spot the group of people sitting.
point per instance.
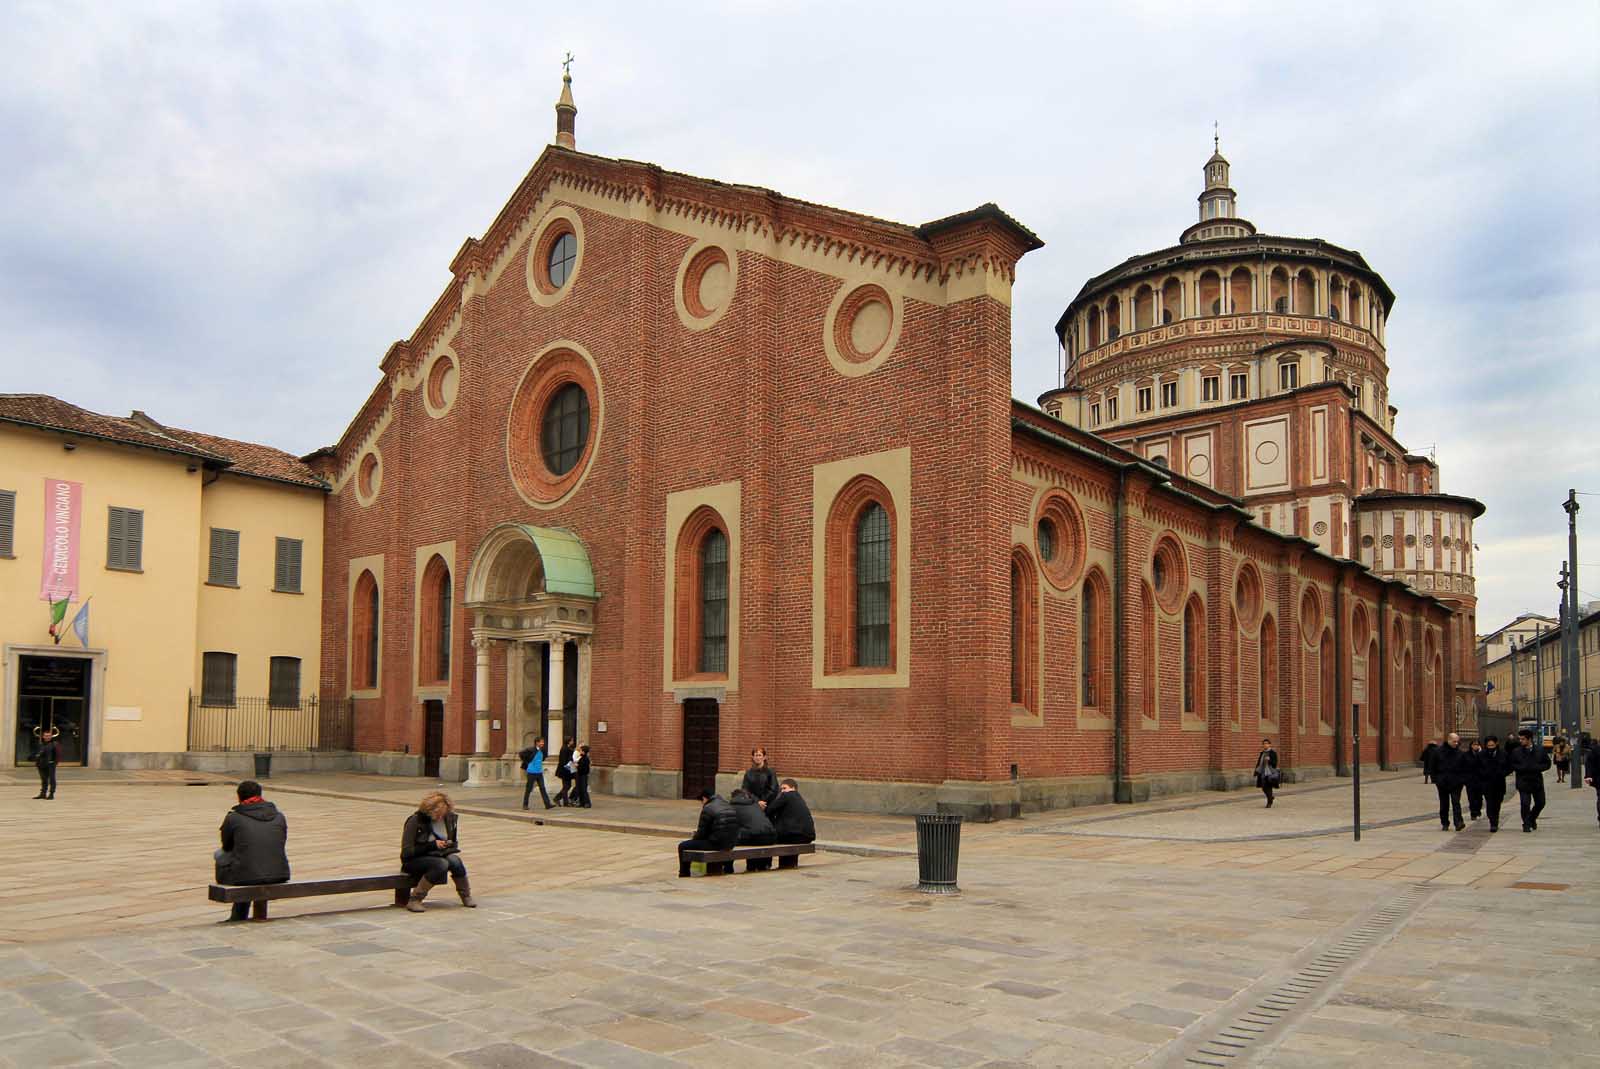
(1481, 768)
(255, 836)
(763, 811)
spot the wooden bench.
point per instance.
(259, 894)
(721, 861)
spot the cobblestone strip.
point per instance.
(1247, 1028)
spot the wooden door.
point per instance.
(433, 736)
(699, 746)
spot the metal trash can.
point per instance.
(263, 766)
(938, 851)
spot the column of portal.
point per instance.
(558, 681)
(480, 696)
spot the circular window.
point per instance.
(1247, 600)
(564, 428)
(554, 426)
(439, 390)
(862, 328)
(555, 256)
(562, 258)
(1047, 541)
(1061, 539)
(1388, 541)
(1311, 614)
(1159, 461)
(1366, 541)
(1169, 573)
(369, 477)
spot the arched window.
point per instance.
(1193, 650)
(714, 603)
(1210, 297)
(1357, 310)
(1024, 631)
(1269, 671)
(1113, 318)
(1144, 301)
(1336, 298)
(1095, 337)
(433, 648)
(1171, 301)
(365, 630)
(1095, 640)
(1239, 296)
(873, 557)
(1404, 690)
(1374, 666)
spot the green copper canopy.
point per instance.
(566, 562)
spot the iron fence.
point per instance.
(258, 724)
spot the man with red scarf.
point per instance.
(253, 838)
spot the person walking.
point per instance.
(1425, 758)
(759, 779)
(1529, 762)
(1591, 771)
(532, 758)
(564, 771)
(45, 760)
(1561, 755)
(255, 836)
(581, 777)
(1267, 775)
(1474, 779)
(430, 849)
(1492, 772)
(1449, 776)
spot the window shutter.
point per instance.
(133, 539)
(224, 567)
(115, 539)
(286, 566)
(8, 522)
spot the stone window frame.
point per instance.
(1024, 643)
(366, 632)
(844, 515)
(687, 594)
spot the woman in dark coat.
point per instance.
(430, 849)
(1267, 775)
(759, 779)
(564, 770)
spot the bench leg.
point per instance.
(402, 895)
(789, 861)
(258, 909)
(683, 868)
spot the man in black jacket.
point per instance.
(1591, 771)
(718, 829)
(1491, 772)
(1449, 776)
(254, 835)
(754, 828)
(1529, 762)
(790, 816)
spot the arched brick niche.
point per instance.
(703, 553)
(861, 627)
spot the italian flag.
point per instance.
(58, 612)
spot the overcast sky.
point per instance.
(223, 214)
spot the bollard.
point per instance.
(938, 851)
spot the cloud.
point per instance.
(224, 213)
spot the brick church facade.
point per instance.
(679, 467)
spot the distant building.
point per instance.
(200, 561)
(1256, 365)
(1496, 644)
(1526, 680)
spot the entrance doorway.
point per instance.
(53, 693)
(433, 736)
(569, 692)
(699, 746)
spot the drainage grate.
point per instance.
(1269, 1016)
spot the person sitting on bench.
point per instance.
(430, 849)
(754, 828)
(254, 834)
(718, 828)
(790, 816)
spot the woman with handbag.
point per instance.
(1267, 775)
(566, 765)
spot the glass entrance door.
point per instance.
(53, 693)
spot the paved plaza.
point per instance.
(1202, 930)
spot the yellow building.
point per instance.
(197, 562)
(1526, 681)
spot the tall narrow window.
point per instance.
(1269, 670)
(365, 630)
(8, 522)
(435, 602)
(1193, 650)
(1111, 408)
(443, 651)
(1024, 630)
(1329, 668)
(125, 539)
(224, 563)
(714, 602)
(1169, 395)
(286, 565)
(283, 683)
(872, 587)
(1211, 388)
(1144, 399)
(1090, 634)
(217, 675)
(1288, 376)
(1238, 386)
(1152, 659)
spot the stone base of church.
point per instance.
(487, 771)
(638, 781)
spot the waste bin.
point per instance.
(263, 766)
(938, 851)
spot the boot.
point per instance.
(418, 893)
(464, 889)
